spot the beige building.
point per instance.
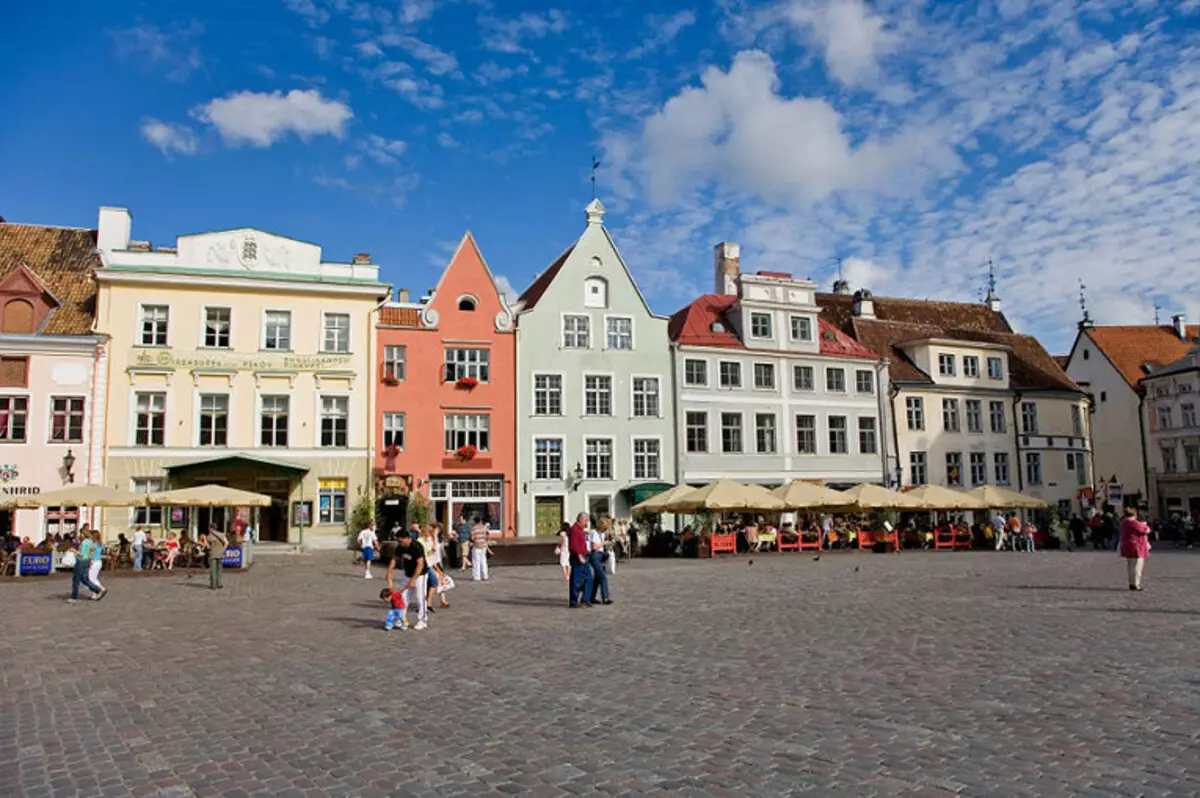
(239, 358)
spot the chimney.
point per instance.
(727, 258)
(113, 229)
(1179, 322)
(401, 294)
(841, 288)
(864, 304)
(362, 259)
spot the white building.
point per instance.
(1173, 436)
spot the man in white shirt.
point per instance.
(139, 540)
(998, 529)
(367, 543)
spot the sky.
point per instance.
(907, 144)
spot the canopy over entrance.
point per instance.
(209, 496)
(640, 493)
(210, 464)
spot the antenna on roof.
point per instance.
(595, 166)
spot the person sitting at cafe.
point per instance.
(172, 551)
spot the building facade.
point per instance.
(768, 391)
(239, 358)
(446, 423)
(52, 372)
(595, 417)
(1173, 445)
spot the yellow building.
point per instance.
(238, 358)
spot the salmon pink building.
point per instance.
(445, 424)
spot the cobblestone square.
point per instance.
(912, 674)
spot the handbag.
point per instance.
(69, 559)
(446, 582)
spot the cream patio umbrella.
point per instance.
(209, 496)
(81, 496)
(935, 497)
(872, 497)
(801, 495)
(726, 495)
(658, 503)
(996, 496)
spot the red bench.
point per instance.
(868, 538)
(944, 539)
(783, 546)
(722, 543)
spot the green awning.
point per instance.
(639, 493)
(234, 460)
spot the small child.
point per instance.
(396, 613)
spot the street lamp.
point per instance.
(68, 462)
(577, 477)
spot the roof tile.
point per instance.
(1135, 350)
(64, 260)
(399, 317)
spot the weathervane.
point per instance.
(1083, 301)
(1157, 308)
(991, 279)
(595, 166)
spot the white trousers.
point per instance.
(1133, 564)
(414, 597)
(94, 573)
(479, 569)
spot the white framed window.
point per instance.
(331, 501)
(1077, 419)
(1029, 419)
(393, 431)
(1164, 417)
(547, 395)
(918, 468)
(467, 429)
(1033, 468)
(835, 380)
(978, 468)
(595, 292)
(914, 411)
(1170, 466)
(395, 362)
(1188, 412)
(218, 326)
(619, 332)
(214, 419)
(335, 421)
(954, 475)
(273, 421)
(147, 516)
(1191, 454)
(730, 374)
(974, 415)
(1077, 463)
(995, 367)
(277, 330)
(867, 443)
(801, 328)
(150, 418)
(598, 458)
(695, 373)
(155, 323)
(14, 418)
(760, 325)
(765, 433)
(998, 416)
(802, 378)
(597, 395)
(645, 397)
(577, 332)
(647, 457)
(731, 433)
(336, 332)
(764, 376)
(837, 435)
(806, 434)
(468, 364)
(66, 419)
(696, 431)
(950, 421)
(1000, 468)
(547, 458)
(864, 381)
(947, 365)
(970, 366)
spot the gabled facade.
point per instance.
(1173, 436)
(768, 391)
(446, 382)
(595, 416)
(52, 372)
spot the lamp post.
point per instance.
(576, 477)
(68, 462)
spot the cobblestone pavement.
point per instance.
(913, 674)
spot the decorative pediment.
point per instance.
(249, 250)
(23, 282)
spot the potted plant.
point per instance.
(389, 379)
(391, 452)
(465, 383)
(466, 453)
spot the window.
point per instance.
(467, 430)
(764, 376)
(835, 380)
(954, 469)
(1077, 463)
(18, 316)
(1191, 455)
(918, 469)
(1000, 467)
(1104, 396)
(1188, 420)
(1164, 417)
(646, 458)
(277, 330)
(806, 434)
(914, 409)
(274, 421)
(597, 395)
(148, 516)
(337, 332)
(14, 418)
(731, 433)
(466, 304)
(978, 468)
(1029, 425)
(335, 420)
(217, 322)
(864, 381)
(802, 378)
(866, 436)
(547, 458)
(154, 325)
(620, 333)
(695, 372)
(950, 415)
(1077, 420)
(395, 363)
(467, 364)
(696, 431)
(547, 395)
(577, 332)
(645, 397)
(393, 431)
(332, 501)
(595, 292)
(150, 423)
(801, 328)
(970, 366)
(14, 372)
(760, 325)
(1168, 460)
(837, 435)
(974, 415)
(731, 375)
(764, 433)
(66, 419)
(598, 458)
(946, 365)
(997, 415)
(214, 419)
(996, 368)
(1033, 468)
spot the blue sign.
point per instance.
(233, 557)
(37, 564)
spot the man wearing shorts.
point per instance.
(367, 543)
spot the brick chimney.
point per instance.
(401, 294)
(727, 258)
(1179, 322)
(864, 304)
(362, 259)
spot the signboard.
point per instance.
(36, 564)
(233, 557)
(230, 361)
(1116, 494)
(301, 513)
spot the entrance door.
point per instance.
(391, 514)
(206, 516)
(548, 515)
(274, 519)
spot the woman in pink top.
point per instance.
(1135, 546)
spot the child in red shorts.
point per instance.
(396, 613)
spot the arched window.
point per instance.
(18, 317)
(595, 292)
(466, 303)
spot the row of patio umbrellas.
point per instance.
(726, 495)
(104, 496)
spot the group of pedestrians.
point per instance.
(584, 555)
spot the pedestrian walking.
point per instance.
(367, 543)
(431, 543)
(79, 574)
(481, 547)
(563, 550)
(463, 530)
(139, 542)
(597, 539)
(411, 557)
(215, 541)
(1135, 546)
(395, 600)
(581, 569)
(97, 558)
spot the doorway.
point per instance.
(273, 520)
(548, 515)
(209, 516)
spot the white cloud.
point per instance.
(506, 289)
(312, 13)
(369, 49)
(509, 35)
(853, 38)
(167, 51)
(169, 138)
(260, 119)
(385, 152)
(490, 72)
(444, 139)
(415, 11)
(436, 60)
(663, 30)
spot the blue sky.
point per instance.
(913, 141)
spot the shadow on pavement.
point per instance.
(531, 602)
(1070, 587)
(361, 623)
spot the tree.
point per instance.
(362, 514)
(418, 509)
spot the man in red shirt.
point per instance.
(581, 570)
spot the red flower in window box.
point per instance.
(466, 453)
(466, 383)
(391, 452)
(390, 380)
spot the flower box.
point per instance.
(466, 384)
(390, 380)
(466, 453)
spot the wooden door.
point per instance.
(548, 515)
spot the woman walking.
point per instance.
(433, 560)
(564, 551)
(79, 575)
(1135, 546)
(97, 559)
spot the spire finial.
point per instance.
(595, 166)
(991, 292)
(1157, 308)
(1086, 321)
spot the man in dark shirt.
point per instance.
(411, 556)
(464, 542)
(581, 570)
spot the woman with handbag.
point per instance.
(80, 562)
(97, 559)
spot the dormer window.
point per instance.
(717, 327)
(595, 292)
(760, 325)
(801, 328)
(18, 316)
(466, 303)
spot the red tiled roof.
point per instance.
(530, 296)
(399, 317)
(836, 343)
(1131, 348)
(780, 275)
(63, 260)
(1062, 361)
